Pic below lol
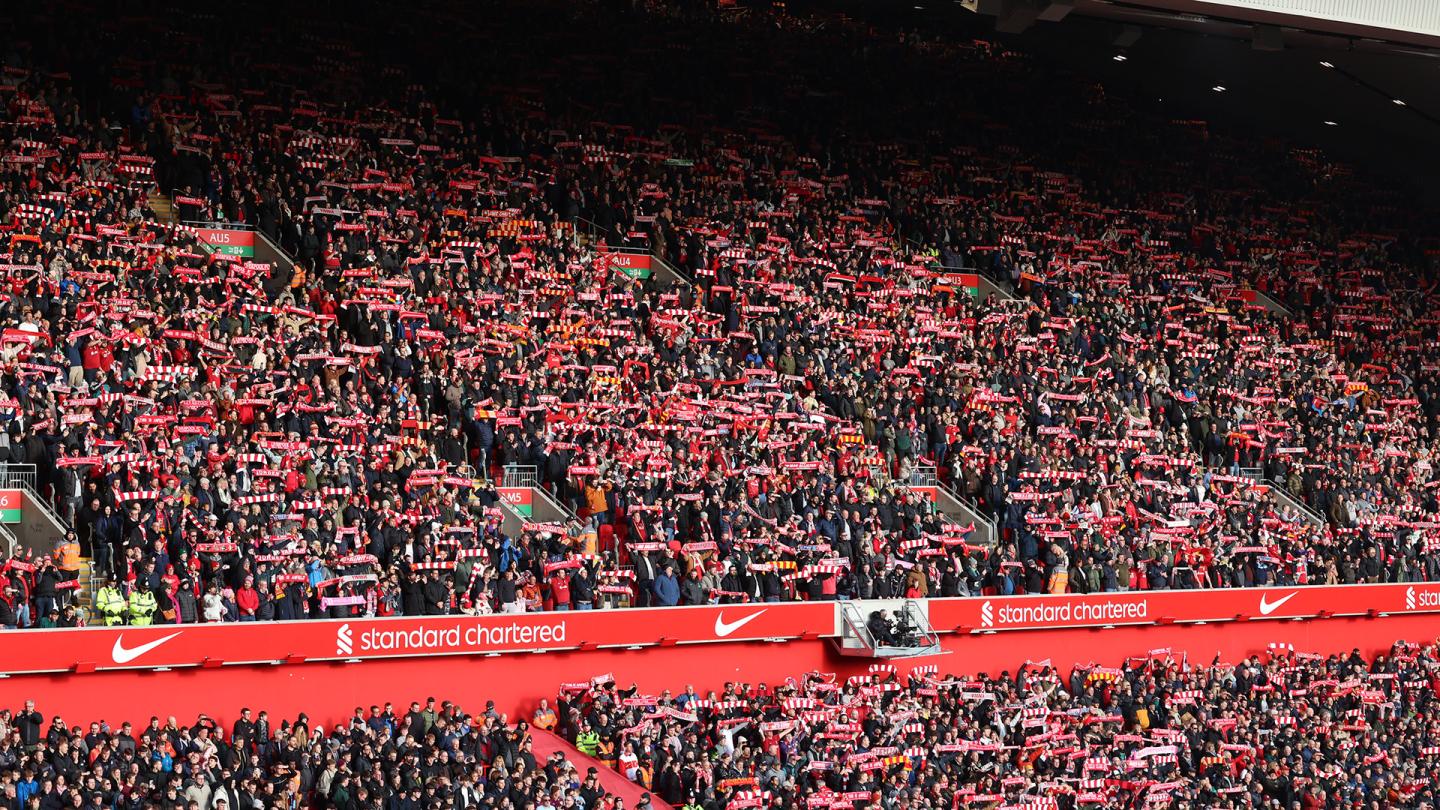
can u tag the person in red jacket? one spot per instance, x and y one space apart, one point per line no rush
248 600
560 589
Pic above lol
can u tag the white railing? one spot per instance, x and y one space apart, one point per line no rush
521 475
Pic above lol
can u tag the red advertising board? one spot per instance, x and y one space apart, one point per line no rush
272 642
1164 607
204 645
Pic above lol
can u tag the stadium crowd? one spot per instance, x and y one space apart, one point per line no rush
435 756
1283 730
238 440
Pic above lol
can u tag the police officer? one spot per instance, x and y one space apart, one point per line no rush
111 602
142 605
587 741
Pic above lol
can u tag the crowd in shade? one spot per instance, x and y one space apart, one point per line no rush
727 319
1283 729
431 756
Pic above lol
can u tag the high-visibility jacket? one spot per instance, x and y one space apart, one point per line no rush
67 555
112 604
142 608
587 742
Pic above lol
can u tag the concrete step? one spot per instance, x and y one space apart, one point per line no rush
162 206
85 594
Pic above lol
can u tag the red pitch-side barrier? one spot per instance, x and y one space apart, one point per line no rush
328 668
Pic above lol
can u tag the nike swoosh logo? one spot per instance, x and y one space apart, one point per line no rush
124 656
724 628
1266 608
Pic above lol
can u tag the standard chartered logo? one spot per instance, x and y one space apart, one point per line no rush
1033 613
343 644
458 638
1420 598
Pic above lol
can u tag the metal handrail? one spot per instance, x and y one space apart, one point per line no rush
921 622
18 475
850 613
220 225
1298 503
592 228
521 475
1277 491
1003 286
979 514
1286 311
924 476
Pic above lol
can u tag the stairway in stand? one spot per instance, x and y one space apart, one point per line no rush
610 779
84 598
162 206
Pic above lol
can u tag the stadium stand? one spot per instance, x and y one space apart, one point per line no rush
1281 729
759 419
650 304
435 756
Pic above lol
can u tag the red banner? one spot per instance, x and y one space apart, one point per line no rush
100 648
205 645
1164 607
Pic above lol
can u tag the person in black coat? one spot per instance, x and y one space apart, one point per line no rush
412 594
437 596
582 589
506 592
692 591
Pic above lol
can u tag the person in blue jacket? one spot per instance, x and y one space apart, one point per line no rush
667 588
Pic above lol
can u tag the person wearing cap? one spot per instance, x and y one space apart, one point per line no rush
587 741
142 604
111 602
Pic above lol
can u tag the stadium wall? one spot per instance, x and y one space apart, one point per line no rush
330 691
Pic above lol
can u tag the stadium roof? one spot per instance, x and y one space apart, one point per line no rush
1371 101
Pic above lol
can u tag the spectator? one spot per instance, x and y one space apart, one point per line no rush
667 590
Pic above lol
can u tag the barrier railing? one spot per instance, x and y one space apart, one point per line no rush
17 476
923 475
592 230
521 475
989 530
1277 492
998 286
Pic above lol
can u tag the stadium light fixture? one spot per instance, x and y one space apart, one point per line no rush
1219 88
1332 123
1327 64
1397 102
1120 57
